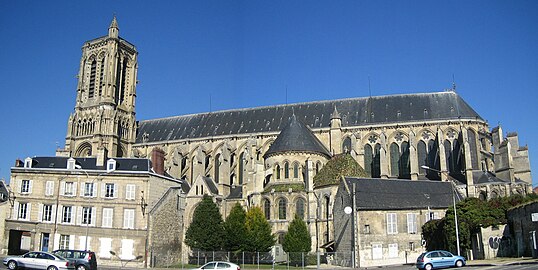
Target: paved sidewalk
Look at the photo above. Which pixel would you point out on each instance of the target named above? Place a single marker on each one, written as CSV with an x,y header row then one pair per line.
x,y
503,261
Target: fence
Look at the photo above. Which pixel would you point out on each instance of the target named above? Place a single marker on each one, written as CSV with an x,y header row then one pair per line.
x,y
265,260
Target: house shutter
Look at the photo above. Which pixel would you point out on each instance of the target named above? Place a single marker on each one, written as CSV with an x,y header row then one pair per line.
x,y
53,214
103,190
56,241
75,189
79,215
82,191
15,210
116,190
28,211
30,184
94,216
71,242
62,188
61,212
49,188
39,212
95,190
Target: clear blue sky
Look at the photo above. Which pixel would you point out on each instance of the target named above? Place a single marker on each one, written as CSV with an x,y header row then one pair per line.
x,y
246,53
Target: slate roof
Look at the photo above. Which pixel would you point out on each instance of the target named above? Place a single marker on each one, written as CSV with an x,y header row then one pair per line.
x,y
211,185
353,112
296,137
122,164
481,177
236,193
385,194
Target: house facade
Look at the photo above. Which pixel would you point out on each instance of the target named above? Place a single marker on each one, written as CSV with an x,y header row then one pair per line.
x,y
77,203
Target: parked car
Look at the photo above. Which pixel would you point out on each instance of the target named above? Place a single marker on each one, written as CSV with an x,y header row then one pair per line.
x,y
439,259
220,265
38,260
83,260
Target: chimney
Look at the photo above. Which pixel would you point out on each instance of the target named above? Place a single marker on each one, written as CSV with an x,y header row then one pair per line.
x,y
19,163
157,160
102,154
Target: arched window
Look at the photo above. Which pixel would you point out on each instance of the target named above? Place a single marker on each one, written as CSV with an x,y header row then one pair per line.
x,y
299,208
346,145
471,137
295,170
394,160
91,88
368,159
267,209
206,163
318,166
376,162
286,170
448,156
326,208
422,157
241,167
282,208
217,168
277,172
102,76
123,75
433,160
405,165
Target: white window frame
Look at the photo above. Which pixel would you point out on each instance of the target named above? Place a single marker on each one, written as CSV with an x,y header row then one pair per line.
x,y
23,211
128,218
89,189
392,223
64,241
28,163
87,215
110,190
412,223
26,186
130,192
44,215
67,214
69,189
108,217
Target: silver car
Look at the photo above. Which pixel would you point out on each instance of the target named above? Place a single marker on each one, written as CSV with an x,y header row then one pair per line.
x,y
38,260
220,266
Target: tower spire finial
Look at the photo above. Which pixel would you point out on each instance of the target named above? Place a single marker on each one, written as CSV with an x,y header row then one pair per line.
x,y
113,29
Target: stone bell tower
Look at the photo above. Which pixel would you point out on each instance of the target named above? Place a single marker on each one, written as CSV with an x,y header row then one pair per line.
x,y
103,123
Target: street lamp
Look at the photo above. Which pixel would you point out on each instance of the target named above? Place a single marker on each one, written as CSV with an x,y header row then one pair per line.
x,y
87,195
454,205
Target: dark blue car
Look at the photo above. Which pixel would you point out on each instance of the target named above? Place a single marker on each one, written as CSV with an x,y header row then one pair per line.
x,y
439,259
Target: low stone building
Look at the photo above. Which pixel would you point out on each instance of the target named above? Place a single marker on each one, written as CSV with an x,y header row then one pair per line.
x,y
379,221
523,222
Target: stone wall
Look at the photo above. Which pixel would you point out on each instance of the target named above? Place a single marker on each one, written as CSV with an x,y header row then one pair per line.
x,y
522,228
166,229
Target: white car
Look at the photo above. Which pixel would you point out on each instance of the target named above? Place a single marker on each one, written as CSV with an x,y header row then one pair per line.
x,y
38,260
220,265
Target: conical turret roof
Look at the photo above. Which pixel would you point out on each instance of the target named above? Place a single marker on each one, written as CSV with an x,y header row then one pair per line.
x,y
296,137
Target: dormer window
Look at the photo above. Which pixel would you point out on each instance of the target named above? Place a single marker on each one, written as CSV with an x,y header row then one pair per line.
x,y
110,165
71,164
28,163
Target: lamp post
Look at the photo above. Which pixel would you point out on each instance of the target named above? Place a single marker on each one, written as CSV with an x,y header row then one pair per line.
x,y
454,205
89,194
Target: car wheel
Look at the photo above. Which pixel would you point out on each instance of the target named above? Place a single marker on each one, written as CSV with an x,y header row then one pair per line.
x,y
52,267
459,263
428,267
81,267
12,265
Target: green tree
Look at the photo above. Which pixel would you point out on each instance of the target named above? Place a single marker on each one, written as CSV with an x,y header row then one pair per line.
x,y
236,229
297,239
206,231
259,231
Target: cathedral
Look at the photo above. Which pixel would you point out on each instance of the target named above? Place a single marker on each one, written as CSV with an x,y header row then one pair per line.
x,y
270,156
